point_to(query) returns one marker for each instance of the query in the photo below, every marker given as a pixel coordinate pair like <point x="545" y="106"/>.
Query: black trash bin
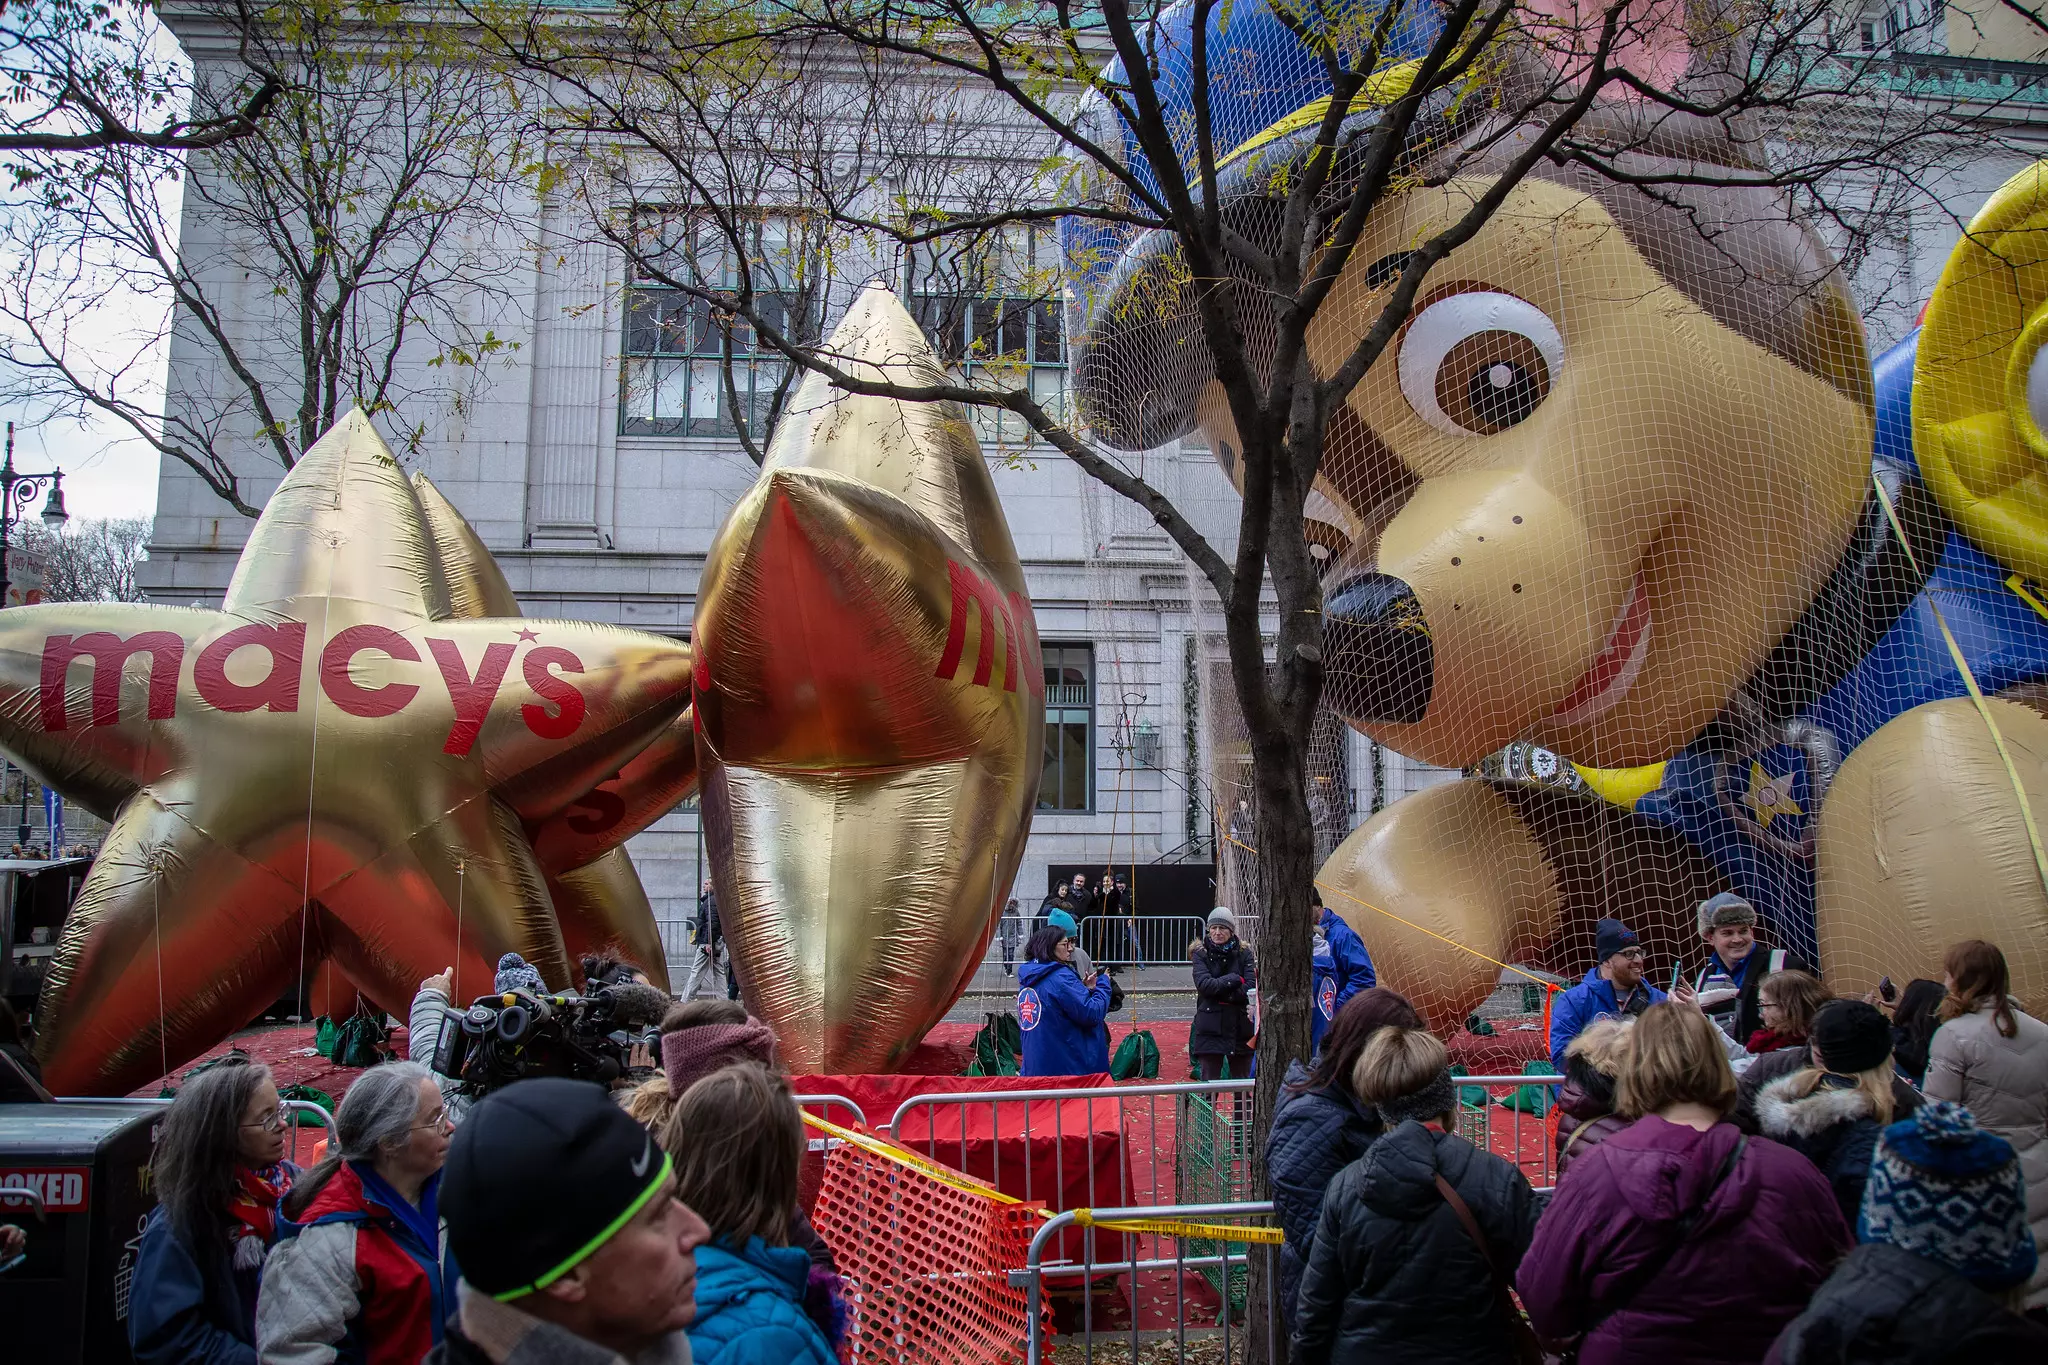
<point x="89" y="1161"/>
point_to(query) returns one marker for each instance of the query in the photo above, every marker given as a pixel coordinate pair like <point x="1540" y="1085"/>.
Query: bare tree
<point x="350" y="247"/>
<point x="81" y="76"/>
<point x="87" y="561"/>
<point x="954" y="125"/>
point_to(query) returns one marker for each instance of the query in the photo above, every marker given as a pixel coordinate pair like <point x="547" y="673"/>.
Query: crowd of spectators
<point x="1748" y="1169"/>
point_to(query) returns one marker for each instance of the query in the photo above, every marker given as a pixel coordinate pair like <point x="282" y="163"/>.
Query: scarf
<point x="258" y="1191"/>
<point x="690" y="1054"/>
<point x="1770" y="1040"/>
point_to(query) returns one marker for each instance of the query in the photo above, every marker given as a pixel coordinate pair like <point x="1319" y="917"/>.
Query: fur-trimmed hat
<point x="1725" y="909"/>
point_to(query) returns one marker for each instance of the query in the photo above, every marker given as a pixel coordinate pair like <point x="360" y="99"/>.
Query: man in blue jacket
<point x="1060" y="1014"/>
<point x="1614" y="987"/>
<point x="1352" y="964"/>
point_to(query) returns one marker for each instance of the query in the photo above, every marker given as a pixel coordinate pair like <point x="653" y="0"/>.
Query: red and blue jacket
<point x="362" y="1278"/>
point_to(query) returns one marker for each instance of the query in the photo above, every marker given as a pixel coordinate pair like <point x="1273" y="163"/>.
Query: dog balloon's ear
<point x="1980" y="381"/>
<point x="1677" y="47"/>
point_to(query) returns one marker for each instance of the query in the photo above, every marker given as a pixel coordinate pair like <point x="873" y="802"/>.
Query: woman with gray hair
<point x="220" y="1173"/>
<point x="362" y="1272"/>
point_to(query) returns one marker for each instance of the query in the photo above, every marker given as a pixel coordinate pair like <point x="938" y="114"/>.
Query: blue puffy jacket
<point x="1354" y="963"/>
<point x="750" y="1307"/>
<point x="182" y="1311"/>
<point x="1062" y="1021"/>
<point x="1591" y="999"/>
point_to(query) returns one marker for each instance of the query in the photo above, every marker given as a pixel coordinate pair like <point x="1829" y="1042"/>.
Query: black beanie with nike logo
<point x="540" y="1175"/>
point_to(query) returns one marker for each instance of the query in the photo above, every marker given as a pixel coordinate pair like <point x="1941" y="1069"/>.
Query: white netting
<point x="1630" y="522"/>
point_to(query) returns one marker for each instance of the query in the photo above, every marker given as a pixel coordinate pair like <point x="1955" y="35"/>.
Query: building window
<point x="674" y="362"/>
<point x="1068" y="780"/>
<point x="993" y="310"/>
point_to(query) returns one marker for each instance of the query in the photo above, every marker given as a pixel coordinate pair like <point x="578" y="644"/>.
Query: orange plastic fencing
<point x="926" y="1261"/>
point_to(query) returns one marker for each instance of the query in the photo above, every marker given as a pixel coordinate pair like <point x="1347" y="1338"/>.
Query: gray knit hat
<point x="1433" y="1101"/>
<point x="1223" y="914"/>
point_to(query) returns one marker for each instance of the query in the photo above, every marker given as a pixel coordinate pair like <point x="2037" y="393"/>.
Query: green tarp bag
<point x="360" y="1042"/>
<point x="324" y="1033"/>
<point x="997" y="1045"/>
<point x="1531" y="1099"/>
<point x="308" y="1094"/>
<point x="1136" y="1055"/>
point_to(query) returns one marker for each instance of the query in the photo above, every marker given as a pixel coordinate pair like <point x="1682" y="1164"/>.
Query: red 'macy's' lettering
<point x="568" y="701"/>
<point x="285" y="642"/>
<point x="472" y="696"/>
<point x="109" y="654"/>
<point x="349" y="695"/>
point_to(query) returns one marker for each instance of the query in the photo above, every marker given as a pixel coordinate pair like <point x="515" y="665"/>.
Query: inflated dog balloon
<point x="1627" y="487"/>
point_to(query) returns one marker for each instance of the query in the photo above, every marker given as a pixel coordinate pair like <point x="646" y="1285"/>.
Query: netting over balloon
<point x="1630" y="525"/>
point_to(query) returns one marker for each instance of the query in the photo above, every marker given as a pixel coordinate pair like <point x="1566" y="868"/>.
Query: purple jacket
<point x="1768" y="1237"/>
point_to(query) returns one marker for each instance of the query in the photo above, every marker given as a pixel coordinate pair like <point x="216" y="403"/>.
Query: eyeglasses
<point x="1630" y="952"/>
<point x="438" y="1119"/>
<point x="273" y="1121"/>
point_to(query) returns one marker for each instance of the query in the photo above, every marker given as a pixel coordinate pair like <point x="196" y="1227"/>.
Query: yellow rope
<point x="1955" y="653"/>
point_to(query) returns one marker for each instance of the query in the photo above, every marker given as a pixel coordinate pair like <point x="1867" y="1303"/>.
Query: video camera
<point x="508" y="1037"/>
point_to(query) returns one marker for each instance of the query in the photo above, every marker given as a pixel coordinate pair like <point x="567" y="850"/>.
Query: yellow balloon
<point x="1980" y="379"/>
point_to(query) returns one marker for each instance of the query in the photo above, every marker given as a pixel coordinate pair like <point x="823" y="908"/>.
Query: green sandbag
<point x="1471" y="1096"/>
<point x="1531" y="1099"/>
<point x="308" y="1094"/>
<point x="1136" y="1055"/>
<point x="325" y="1032"/>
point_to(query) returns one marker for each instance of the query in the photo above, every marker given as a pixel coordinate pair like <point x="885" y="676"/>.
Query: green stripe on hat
<point x="604" y="1235"/>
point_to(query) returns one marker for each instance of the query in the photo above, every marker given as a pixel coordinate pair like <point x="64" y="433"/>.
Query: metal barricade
<point x="859" y="1119"/>
<point x="1201" y="1117"/>
<point x="1226" y="1264"/>
<point x="1511" y="1116"/>
<point x="311" y="1110"/>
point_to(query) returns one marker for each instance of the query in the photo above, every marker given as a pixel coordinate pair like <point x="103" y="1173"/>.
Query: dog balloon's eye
<point x="1477" y="363"/>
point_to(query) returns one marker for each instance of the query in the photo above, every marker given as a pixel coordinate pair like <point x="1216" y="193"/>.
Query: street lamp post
<point x="16" y="489"/>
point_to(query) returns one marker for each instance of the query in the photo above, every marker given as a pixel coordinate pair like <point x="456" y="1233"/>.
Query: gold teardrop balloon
<point x="870" y="710"/>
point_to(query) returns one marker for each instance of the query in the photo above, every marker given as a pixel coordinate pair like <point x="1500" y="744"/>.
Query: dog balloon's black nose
<point x="1380" y="662"/>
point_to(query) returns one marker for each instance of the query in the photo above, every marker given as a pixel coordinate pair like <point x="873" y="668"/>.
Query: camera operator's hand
<point x="444" y="983"/>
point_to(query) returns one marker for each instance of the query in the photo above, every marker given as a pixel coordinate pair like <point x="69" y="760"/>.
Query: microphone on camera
<point x="635" y="1005"/>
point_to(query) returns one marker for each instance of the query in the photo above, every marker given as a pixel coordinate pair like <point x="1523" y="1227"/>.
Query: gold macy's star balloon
<point x="599" y="902"/>
<point x="870" y="710"/>
<point x="342" y="764"/>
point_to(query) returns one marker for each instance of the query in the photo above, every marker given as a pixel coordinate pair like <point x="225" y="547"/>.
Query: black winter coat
<point x="1223" y="978"/>
<point x="1316" y="1133"/>
<point x="1835" y="1129"/>
<point x="1786" y="1061"/>
<point x="1393" y="1275"/>
<point x="1886" y="1306"/>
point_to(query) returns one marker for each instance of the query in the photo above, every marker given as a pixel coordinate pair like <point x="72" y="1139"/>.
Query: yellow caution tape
<point x="952" y="1179"/>
<point x="1955" y="654"/>
<point x="944" y="1175"/>
<point x="1174" y="1227"/>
